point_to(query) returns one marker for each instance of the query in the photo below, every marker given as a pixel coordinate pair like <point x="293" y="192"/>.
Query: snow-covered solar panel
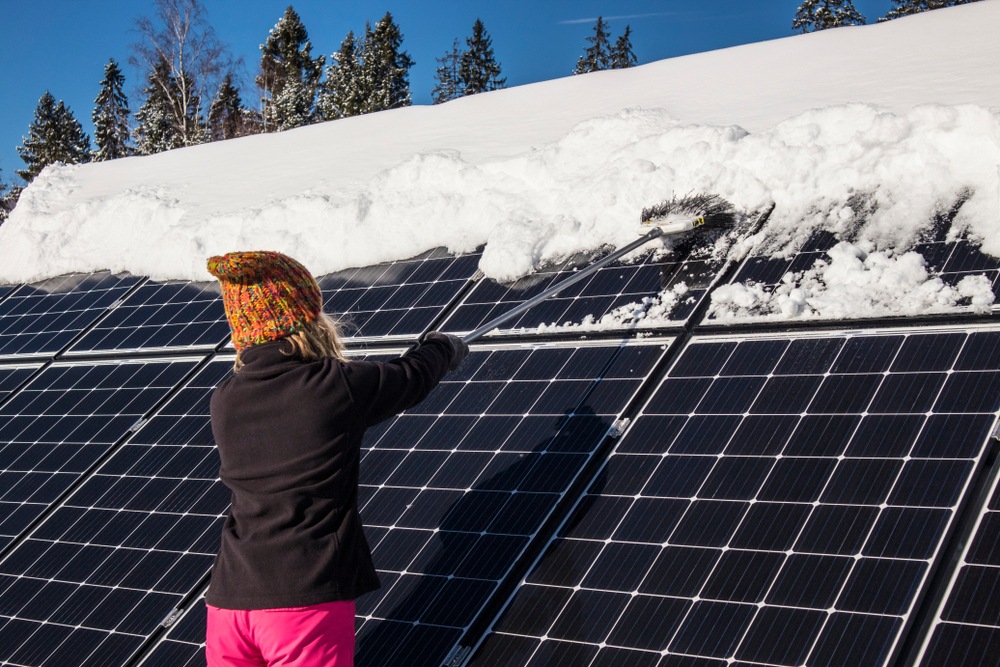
<point x="966" y="629"/>
<point x="58" y="426"/>
<point x="161" y="316"/>
<point x="108" y="565"/>
<point x="777" y="501"/>
<point x="454" y="490"/>
<point x="938" y="274"/>
<point x="652" y="292"/>
<point x="397" y="299"/>
<point x="42" y="318"/>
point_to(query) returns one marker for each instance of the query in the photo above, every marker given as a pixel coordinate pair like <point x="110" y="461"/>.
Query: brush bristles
<point x="714" y="209"/>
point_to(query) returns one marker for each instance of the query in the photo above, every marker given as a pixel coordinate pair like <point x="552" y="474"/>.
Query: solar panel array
<point x="677" y="495"/>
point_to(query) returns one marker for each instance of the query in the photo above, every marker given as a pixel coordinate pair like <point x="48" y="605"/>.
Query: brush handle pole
<point x="654" y="233"/>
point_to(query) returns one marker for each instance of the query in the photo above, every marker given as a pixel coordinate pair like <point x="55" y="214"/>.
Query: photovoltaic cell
<point x="108" y="565"/>
<point x="453" y="490"/>
<point x="966" y="630"/>
<point x="12" y="377"/>
<point x="44" y="317"/>
<point x="55" y="428"/>
<point x="625" y="295"/>
<point x="161" y="316"/>
<point x="777" y="501"/>
<point x="397" y="299"/>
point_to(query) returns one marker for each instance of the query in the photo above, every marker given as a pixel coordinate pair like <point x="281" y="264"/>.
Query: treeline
<point x="191" y="94"/>
<point x="815" y="15"/>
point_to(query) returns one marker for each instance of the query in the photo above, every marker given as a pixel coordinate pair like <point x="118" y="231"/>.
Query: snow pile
<point x="853" y="284"/>
<point x="540" y="173"/>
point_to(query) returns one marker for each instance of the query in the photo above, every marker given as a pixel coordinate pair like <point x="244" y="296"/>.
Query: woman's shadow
<point x="425" y="611"/>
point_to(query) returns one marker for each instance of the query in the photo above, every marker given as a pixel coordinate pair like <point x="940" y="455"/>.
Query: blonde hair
<point x="319" y="339"/>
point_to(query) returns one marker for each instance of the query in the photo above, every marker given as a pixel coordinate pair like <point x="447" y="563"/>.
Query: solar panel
<point x="159" y="316"/>
<point x="453" y="490"/>
<point x="59" y="425"/>
<point x="951" y="260"/>
<point x="966" y="629"/>
<point x="777" y="501"/>
<point x="110" y="563"/>
<point x="653" y="291"/>
<point x="397" y="299"/>
<point x="44" y="317"/>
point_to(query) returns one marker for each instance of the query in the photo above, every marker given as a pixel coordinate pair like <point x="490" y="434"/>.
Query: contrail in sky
<point x="614" y="18"/>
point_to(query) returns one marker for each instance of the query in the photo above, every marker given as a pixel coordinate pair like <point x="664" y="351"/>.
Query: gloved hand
<point x="459" y="349"/>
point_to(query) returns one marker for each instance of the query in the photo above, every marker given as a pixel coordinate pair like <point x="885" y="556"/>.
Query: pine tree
<point x="343" y="93"/>
<point x="156" y="129"/>
<point x="53" y="136"/>
<point x="597" y="56"/>
<point x="479" y="71"/>
<point x="385" y="68"/>
<point x="289" y="75"/>
<point x="622" y="55"/>
<point x="111" y="116"/>
<point x="907" y="7"/>
<point x="227" y="117"/>
<point x="448" y="76"/>
<point x="6" y="201"/>
<point x="823" y="14"/>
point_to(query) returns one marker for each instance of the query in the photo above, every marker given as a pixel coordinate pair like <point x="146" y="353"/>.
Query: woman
<point x="288" y="426"/>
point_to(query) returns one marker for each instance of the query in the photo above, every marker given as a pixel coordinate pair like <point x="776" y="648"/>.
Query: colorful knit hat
<point x="266" y="295"/>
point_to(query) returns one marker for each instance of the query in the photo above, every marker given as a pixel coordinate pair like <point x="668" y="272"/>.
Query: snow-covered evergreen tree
<point x="385" y="67"/>
<point x="54" y="135"/>
<point x="597" y="56"/>
<point x="479" y="71"/>
<point x="287" y="63"/>
<point x="343" y="93"/>
<point x="907" y="7"/>
<point x="622" y="55"/>
<point x="227" y="117"/>
<point x="448" y="76"/>
<point x="822" y="14"/>
<point x="156" y="130"/>
<point x="111" y="116"/>
<point x="8" y="198"/>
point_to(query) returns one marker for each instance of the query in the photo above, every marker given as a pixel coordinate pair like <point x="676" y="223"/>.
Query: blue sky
<point x="63" y="45"/>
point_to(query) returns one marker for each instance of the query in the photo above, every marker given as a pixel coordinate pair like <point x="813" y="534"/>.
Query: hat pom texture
<point x="267" y="295"/>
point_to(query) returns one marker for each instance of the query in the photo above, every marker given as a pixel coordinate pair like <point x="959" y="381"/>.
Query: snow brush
<point x="674" y="216"/>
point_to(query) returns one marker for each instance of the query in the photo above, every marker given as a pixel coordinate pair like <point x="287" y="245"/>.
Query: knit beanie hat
<point x="266" y="295"/>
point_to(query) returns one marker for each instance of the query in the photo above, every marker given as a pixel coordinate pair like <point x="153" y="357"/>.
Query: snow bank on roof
<point x="541" y="172"/>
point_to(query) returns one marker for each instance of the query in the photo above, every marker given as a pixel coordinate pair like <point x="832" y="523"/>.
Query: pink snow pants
<point x="320" y="635"/>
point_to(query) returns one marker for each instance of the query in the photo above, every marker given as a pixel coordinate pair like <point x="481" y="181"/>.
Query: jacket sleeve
<point x="383" y="389"/>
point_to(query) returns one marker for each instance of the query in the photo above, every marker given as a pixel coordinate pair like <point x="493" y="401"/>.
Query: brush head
<point x="702" y="210"/>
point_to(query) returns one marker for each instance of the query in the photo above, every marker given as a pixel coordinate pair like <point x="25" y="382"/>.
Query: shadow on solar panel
<point x="159" y="316"/>
<point x="45" y="317"/>
<point x="842" y="274"/>
<point x="397" y="299"/>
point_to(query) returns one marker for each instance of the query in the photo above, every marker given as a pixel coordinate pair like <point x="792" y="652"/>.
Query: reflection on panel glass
<point x="44" y="317"/>
<point x="777" y="501"/>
